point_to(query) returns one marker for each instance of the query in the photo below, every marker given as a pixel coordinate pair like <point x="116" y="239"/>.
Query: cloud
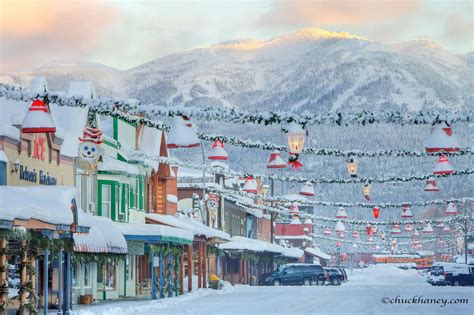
<point x="335" y="12"/>
<point x="459" y="28"/>
<point x="33" y="31"/>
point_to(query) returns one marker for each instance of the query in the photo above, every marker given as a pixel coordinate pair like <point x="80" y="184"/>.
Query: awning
<point x="240" y="243"/>
<point x="292" y="252"/>
<point x="184" y="222"/>
<point x="154" y="233"/>
<point x="103" y="237"/>
<point x="51" y="205"/>
<point x="313" y="251"/>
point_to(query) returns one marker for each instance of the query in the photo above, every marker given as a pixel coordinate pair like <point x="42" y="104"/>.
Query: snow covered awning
<point x="189" y="224"/>
<point x="114" y="166"/>
<point x="239" y="243"/>
<point x="52" y="207"/>
<point x="314" y="251"/>
<point x="154" y="233"/>
<point x="103" y="237"/>
<point x="292" y="252"/>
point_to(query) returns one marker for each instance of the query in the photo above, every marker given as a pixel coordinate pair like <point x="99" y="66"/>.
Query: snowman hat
<point x="218" y="152"/>
<point x="275" y="160"/>
<point x="93" y="135"/>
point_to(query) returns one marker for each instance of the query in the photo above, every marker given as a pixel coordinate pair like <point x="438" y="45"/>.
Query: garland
<point x="232" y="115"/>
<point x="286" y="201"/>
<point x="285" y="211"/>
<point x="249" y="144"/>
<point x="99" y="258"/>
<point x="145" y="158"/>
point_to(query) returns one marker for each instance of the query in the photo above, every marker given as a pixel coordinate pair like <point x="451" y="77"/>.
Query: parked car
<point x="297" y="274"/>
<point x="455" y="274"/>
<point x="344" y="273"/>
<point x="335" y="276"/>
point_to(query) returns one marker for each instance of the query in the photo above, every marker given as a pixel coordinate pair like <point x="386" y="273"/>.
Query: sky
<point x="127" y="33"/>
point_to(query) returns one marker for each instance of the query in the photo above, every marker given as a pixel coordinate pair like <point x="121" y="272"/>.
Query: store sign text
<point x="33" y="176"/>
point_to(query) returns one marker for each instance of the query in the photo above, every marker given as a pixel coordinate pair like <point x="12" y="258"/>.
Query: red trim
<point x="175" y="146"/>
<point x="341" y="217"/>
<point x="253" y="191"/>
<point x="306" y="194"/>
<point x="218" y="157"/>
<point x="443" y="172"/>
<point x="432" y="150"/>
<point x="38" y="129"/>
<point x="277" y="166"/>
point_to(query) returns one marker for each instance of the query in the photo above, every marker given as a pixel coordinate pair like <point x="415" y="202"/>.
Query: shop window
<point x="106" y="202"/>
<point x="124" y="208"/>
<point x="86" y="275"/>
<point x="3" y="173"/>
<point x="107" y="277"/>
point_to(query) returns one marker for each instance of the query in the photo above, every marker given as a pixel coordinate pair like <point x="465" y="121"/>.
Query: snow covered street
<point x="365" y="293"/>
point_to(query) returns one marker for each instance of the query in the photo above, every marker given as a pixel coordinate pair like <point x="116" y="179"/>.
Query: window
<point x="124" y="208"/>
<point x="290" y="270"/>
<point x="130" y="266"/>
<point x="106" y="278"/>
<point x="106" y="203"/>
<point x="86" y="275"/>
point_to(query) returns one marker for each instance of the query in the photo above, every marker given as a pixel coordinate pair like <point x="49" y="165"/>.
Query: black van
<point x="297" y="274"/>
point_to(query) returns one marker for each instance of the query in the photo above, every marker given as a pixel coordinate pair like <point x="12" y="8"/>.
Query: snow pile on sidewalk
<point x="148" y="306"/>
<point x="384" y="274"/>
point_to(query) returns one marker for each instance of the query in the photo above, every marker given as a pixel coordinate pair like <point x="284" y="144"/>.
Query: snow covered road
<point x="365" y="293"/>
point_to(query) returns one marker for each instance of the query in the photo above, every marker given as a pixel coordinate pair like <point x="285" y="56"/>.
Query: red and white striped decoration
<point x="341" y="213"/>
<point x="396" y="229"/>
<point x="182" y="134"/>
<point x="38" y="119"/>
<point x="443" y="166"/>
<point x="218" y="152"/>
<point x="408" y="227"/>
<point x="250" y="185"/>
<point x="431" y="185"/>
<point x="441" y="139"/>
<point x="327" y="231"/>
<point x="355" y="234"/>
<point x="307" y="189"/>
<point x="446" y="228"/>
<point x="406" y="212"/>
<point x="340" y="228"/>
<point x="451" y="209"/>
<point x="427" y="229"/>
<point x="276" y="161"/>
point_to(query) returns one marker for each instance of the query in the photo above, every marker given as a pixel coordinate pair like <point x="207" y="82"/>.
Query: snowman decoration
<point x="90" y="149"/>
<point x="212" y="204"/>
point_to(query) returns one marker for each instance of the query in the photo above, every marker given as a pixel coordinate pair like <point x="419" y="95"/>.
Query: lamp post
<point x="296" y="136"/>
<point x="352" y="167"/>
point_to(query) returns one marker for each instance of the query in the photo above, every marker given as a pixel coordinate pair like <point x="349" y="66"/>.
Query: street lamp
<point x="366" y="189"/>
<point x="296" y="137"/>
<point x="352" y="167"/>
<point x="16" y="166"/>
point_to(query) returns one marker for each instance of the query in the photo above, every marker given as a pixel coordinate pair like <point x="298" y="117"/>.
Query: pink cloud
<point x="336" y="12"/>
<point x="33" y="31"/>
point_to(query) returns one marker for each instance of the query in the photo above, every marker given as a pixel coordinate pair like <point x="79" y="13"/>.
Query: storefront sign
<point x="33" y="176"/>
<point x="136" y="248"/>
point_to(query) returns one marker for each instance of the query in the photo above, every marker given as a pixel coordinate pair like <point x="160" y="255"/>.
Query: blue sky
<point x="125" y="33"/>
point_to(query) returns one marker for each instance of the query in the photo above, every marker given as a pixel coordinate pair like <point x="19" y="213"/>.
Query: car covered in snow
<point x="297" y="274"/>
<point x="444" y="273"/>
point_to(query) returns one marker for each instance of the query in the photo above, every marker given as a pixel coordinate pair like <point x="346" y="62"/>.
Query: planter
<point x="85" y="299"/>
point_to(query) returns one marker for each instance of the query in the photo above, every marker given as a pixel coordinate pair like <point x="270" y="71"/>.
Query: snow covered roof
<point x="189" y="224"/>
<point x="253" y="245"/>
<point x="110" y="164"/>
<point x="49" y="204"/>
<point x="39" y="85"/>
<point x="70" y="123"/>
<point x="293" y="237"/>
<point x="292" y="252"/>
<point x="85" y="89"/>
<point x="154" y="233"/>
<point x="315" y="251"/>
<point x="103" y="236"/>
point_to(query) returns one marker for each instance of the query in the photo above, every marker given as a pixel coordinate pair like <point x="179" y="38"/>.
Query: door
<point x="288" y="276"/>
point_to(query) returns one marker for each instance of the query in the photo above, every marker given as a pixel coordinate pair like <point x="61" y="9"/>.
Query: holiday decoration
<point x="443" y="166"/>
<point x="250" y="185"/>
<point x="340" y="228"/>
<point x="376" y="211"/>
<point x="296" y="137"/>
<point x="267" y="146"/>
<point x="446" y="228"/>
<point x="308" y="221"/>
<point x="212" y="205"/>
<point x="440" y="225"/>
<point x="415" y="233"/>
<point x="38" y="119"/>
<point x="396" y="229"/>
<point x="341" y="235"/>
<point x="370" y="239"/>
<point x="218" y="152"/>
<point x="366" y="191"/>
<point x="408" y="227"/>
<point x="355" y="234"/>
<point x="406" y="212"/>
<point x="338" y="244"/>
<point x="341" y="213"/>
<point x="383" y="236"/>
<point x="294" y="212"/>
<point x="441" y="139"/>
<point x="327" y="231"/>
<point x="307" y="189"/>
<point x="275" y="160"/>
<point x="89" y="150"/>
<point x="368" y="229"/>
<point x="427" y="229"/>
<point x="352" y="167"/>
<point x="182" y="134"/>
<point x="354" y="245"/>
<point x="431" y="185"/>
<point x="374" y="230"/>
<point x="451" y="209"/>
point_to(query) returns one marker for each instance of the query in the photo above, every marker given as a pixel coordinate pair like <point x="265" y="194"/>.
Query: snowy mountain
<point x="310" y="69"/>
